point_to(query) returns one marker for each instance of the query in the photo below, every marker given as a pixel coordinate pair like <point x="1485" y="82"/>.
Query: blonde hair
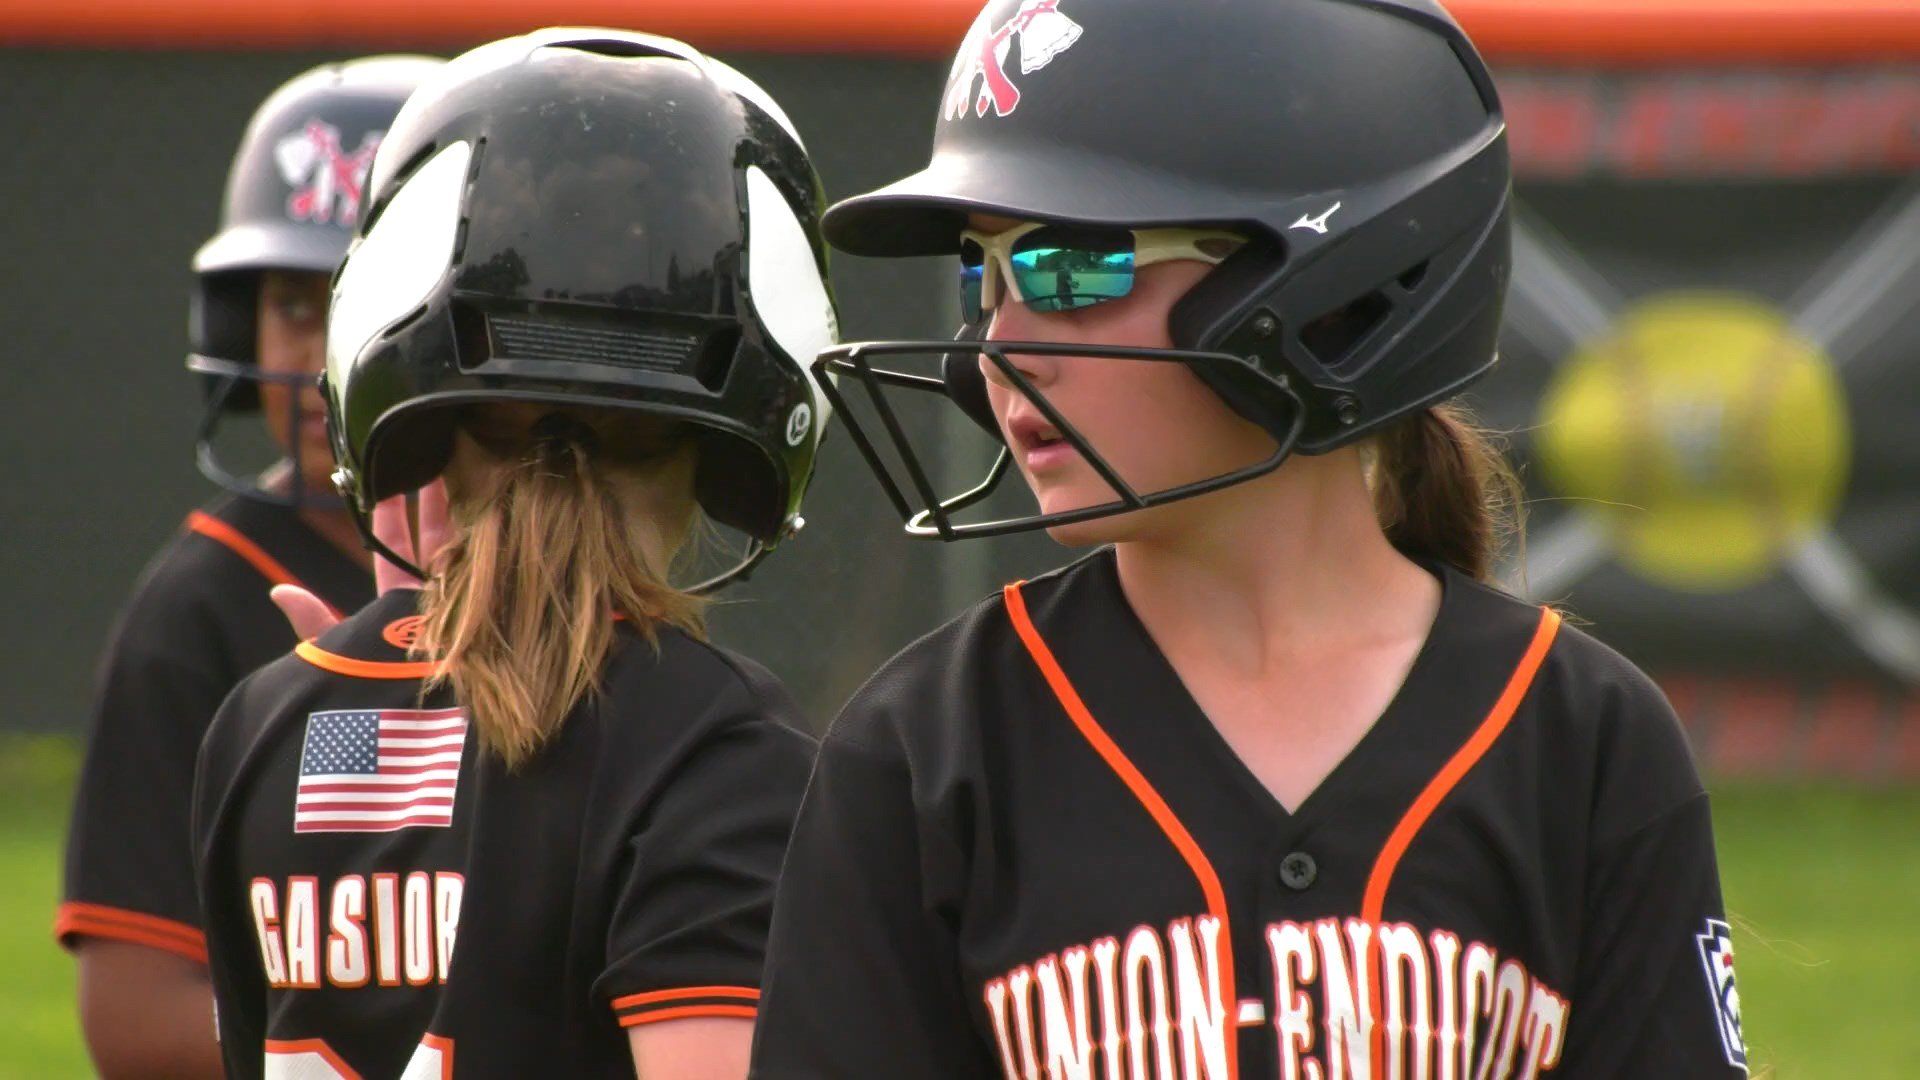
<point x="1443" y="489"/>
<point x="557" y="532"/>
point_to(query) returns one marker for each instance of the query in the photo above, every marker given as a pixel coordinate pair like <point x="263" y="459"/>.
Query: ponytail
<point x="551" y="543"/>
<point x="1444" y="490"/>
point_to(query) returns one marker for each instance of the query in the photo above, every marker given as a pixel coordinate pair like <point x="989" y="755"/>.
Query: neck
<point x="333" y="523"/>
<point x="336" y="527"/>
<point x="1275" y="570"/>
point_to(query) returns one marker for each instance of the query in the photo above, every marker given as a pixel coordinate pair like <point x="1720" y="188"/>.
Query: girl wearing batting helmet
<point x="526" y="818"/>
<point x="200" y="618"/>
<point x="1274" y="782"/>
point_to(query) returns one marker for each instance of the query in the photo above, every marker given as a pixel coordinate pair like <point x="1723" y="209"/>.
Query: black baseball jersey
<point x="199" y="620"/>
<point x="1025" y="852"/>
<point x="346" y="831"/>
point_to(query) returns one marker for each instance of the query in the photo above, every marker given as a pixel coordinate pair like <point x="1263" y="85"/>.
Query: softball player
<point x="200" y="618"/>
<point x="526" y="821"/>
<point x="1273" y="783"/>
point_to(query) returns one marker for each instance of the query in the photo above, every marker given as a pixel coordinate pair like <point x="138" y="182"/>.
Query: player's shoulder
<point x="934" y="687"/>
<point x="197" y="572"/>
<point x="367" y="648"/>
<point x="674" y="673"/>
<point x="1616" y="710"/>
<point x="1593" y="713"/>
<point x="1586" y="670"/>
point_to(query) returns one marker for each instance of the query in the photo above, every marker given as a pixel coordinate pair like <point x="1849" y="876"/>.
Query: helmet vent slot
<point x="716" y="357"/>
<point x="1412" y="279"/>
<point x="652" y="348"/>
<point x="618" y="47"/>
<point x="1333" y="338"/>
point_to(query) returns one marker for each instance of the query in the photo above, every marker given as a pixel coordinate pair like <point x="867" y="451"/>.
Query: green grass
<point x="1823" y="883"/>
<point x="39" y="1031"/>
<point x="1824" y="886"/>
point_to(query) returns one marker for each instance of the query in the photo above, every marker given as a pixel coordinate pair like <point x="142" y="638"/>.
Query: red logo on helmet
<point x="1044" y="33"/>
<point x="327" y="181"/>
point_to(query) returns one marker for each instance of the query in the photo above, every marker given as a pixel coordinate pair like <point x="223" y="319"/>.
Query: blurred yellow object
<point x="1704" y="432"/>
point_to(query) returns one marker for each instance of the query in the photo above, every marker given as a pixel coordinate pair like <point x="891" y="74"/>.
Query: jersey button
<point x="1298" y="870"/>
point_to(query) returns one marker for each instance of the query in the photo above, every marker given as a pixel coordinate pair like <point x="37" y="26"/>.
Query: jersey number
<point x="313" y="1059"/>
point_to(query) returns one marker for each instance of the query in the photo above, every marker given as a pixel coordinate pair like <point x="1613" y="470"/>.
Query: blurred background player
<point x="589" y="278"/>
<point x="200" y="618"/>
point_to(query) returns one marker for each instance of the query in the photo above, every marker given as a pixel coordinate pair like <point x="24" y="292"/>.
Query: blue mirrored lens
<point x="1061" y="277"/>
<point x="972" y="269"/>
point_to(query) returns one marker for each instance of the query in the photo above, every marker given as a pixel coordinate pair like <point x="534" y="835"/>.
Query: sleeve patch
<point x="1716" y="959"/>
<point x="658" y="1005"/>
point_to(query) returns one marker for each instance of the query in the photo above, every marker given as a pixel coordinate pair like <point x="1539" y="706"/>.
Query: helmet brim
<point x="923" y="214"/>
<point x="268" y="246"/>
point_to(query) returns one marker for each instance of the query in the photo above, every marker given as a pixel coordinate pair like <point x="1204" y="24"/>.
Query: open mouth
<point x="1032" y="433"/>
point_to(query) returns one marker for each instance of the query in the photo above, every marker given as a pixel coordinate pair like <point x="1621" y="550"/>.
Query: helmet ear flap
<point x="736" y="484"/>
<point x="966" y="386"/>
<point x="1222" y="313"/>
<point x="1212" y="311"/>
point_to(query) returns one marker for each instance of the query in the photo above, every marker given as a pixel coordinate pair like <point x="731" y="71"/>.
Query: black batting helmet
<point x="588" y="217"/>
<point x="294" y="194"/>
<point x="1357" y="146"/>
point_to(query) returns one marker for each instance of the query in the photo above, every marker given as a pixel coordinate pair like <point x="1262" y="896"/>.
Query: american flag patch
<point x="378" y="770"/>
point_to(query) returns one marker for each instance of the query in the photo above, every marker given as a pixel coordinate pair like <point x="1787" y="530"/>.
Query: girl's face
<point x="1154" y="422"/>
<point x="292" y="341"/>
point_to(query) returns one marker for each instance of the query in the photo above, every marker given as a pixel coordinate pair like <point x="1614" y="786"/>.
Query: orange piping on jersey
<point x="746" y="993"/>
<point x="236" y="541"/>
<point x="365" y="669"/>
<point x="744" y="1012"/>
<point x="1143" y="791"/>
<point x="313" y="1046"/>
<point x="1373" y="902"/>
<point x="119" y="924"/>
<point x="445" y="1046"/>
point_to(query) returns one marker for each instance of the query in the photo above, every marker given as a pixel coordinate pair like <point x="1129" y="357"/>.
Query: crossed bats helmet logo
<point x="1044" y="33"/>
<point x="328" y="181"/>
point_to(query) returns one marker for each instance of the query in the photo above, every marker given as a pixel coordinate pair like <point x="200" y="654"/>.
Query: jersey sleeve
<point x="1655" y="992"/>
<point x="129" y="870"/>
<point x="689" y="926"/>
<point x="1656" y="996"/>
<point x="862" y="971"/>
<point x="233" y="949"/>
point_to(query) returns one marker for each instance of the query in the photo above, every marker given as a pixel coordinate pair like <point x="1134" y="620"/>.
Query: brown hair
<point x="557" y="533"/>
<point x="1443" y="489"/>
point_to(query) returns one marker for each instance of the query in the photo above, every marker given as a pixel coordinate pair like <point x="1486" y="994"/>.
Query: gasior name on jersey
<point x="361" y="930"/>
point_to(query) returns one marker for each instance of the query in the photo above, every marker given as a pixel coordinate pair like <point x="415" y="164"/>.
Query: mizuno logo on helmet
<point x="327" y="181"/>
<point x="1317" y="224"/>
<point x="1044" y="33"/>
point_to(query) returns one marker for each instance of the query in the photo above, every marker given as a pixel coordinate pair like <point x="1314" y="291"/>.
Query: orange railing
<point x="1608" y="31"/>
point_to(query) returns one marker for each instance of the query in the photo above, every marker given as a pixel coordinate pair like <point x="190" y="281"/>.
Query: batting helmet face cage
<point x="1357" y="145"/>
<point x="589" y="218"/>
<point x="294" y="194"/>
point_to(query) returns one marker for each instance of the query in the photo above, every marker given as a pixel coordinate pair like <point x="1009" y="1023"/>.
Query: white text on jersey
<point x="1149" y="1007"/>
<point x="377" y="928"/>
